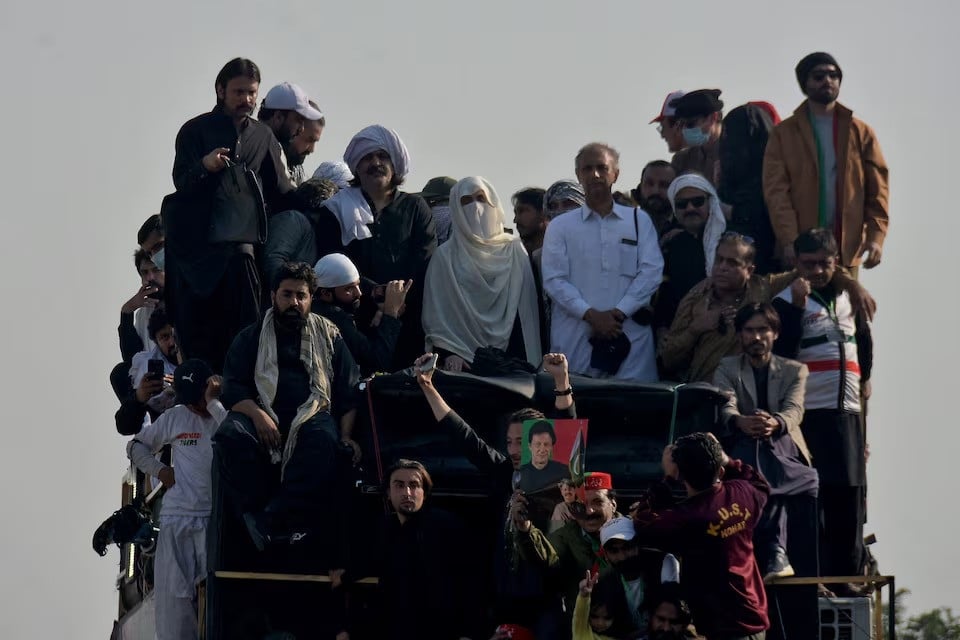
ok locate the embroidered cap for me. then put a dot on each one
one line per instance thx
(516, 632)
(595, 480)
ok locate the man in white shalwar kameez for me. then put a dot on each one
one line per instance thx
(601, 265)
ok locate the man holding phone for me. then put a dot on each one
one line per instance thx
(338, 299)
(158, 363)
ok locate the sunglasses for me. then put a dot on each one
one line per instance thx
(818, 76)
(697, 201)
(733, 235)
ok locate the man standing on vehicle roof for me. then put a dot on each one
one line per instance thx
(214, 287)
(296, 122)
(601, 265)
(822, 329)
(824, 168)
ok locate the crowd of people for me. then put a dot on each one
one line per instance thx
(266, 297)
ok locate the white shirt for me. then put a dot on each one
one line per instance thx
(589, 261)
(191, 455)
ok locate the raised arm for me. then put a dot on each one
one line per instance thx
(473, 447)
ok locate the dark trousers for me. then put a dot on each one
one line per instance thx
(841, 530)
(207, 325)
(253, 484)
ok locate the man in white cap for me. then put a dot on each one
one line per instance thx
(302, 145)
(337, 299)
(389, 234)
(634, 566)
(667, 125)
(287, 111)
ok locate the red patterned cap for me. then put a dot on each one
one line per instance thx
(597, 480)
(516, 632)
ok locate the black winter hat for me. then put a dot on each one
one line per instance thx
(805, 66)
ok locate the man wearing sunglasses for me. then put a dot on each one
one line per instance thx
(823, 168)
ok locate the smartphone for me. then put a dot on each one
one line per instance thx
(155, 369)
(379, 293)
(430, 364)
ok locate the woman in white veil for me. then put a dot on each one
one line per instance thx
(479, 288)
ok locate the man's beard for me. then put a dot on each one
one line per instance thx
(656, 205)
(289, 320)
(293, 158)
(823, 96)
(348, 307)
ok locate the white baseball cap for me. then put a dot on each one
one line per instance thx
(617, 529)
(666, 111)
(287, 96)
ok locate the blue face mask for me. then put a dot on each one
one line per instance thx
(158, 259)
(695, 137)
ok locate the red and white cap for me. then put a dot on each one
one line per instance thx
(666, 111)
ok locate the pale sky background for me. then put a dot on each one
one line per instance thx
(96, 92)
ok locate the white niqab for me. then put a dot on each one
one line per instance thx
(716, 222)
(480, 281)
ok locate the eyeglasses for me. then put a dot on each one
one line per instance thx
(665, 124)
(733, 235)
(697, 201)
(818, 76)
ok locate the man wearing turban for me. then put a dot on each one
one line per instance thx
(388, 234)
(823, 168)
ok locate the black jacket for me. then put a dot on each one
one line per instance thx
(186, 213)
(403, 240)
(373, 350)
(427, 578)
(241, 361)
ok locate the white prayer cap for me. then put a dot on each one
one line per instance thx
(335, 270)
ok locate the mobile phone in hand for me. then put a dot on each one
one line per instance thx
(155, 369)
(380, 293)
(430, 364)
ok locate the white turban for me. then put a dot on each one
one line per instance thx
(335, 270)
(336, 172)
(375, 138)
(716, 223)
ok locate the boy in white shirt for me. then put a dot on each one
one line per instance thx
(185, 513)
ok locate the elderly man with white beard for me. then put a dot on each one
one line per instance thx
(480, 290)
(601, 265)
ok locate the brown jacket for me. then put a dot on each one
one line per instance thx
(791, 183)
(693, 357)
(786, 386)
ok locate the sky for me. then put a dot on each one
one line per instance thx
(96, 92)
